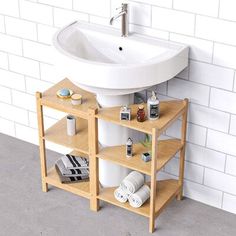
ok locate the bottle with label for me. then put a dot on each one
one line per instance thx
(153, 107)
(129, 148)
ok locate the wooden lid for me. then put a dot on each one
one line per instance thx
(76, 96)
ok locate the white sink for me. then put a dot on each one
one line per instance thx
(99, 60)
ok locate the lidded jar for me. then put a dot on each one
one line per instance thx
(141, 113)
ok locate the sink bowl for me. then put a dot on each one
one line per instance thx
(97, 59)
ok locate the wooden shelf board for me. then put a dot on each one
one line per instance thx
(169, 112)
(50, 99)
(80, 188)
(79, 142)
(166, 150)
(166, 191)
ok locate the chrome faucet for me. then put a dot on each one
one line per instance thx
(124, 19)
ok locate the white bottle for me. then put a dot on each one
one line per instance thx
(153, 107)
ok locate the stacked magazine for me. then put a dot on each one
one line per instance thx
(72, 168)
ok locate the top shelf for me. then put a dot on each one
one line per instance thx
(50, 99)
(169, 112)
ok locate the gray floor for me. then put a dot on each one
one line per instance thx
(26, 210)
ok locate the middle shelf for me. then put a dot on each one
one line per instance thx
(166, 150)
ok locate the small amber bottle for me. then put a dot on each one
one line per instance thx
(140, 114)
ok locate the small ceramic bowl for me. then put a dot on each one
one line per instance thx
(64, 93)
(76, 99)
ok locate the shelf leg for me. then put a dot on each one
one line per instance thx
(41, 142)
(153, 185)
(93, 160)
(182, 151)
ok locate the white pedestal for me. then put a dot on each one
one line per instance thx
(110, 135)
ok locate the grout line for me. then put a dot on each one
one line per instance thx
(226, 158)
(222, 199)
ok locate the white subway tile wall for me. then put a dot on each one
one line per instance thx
(207, 26)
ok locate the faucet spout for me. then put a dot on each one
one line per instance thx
(116, 16)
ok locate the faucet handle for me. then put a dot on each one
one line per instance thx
(124, 7)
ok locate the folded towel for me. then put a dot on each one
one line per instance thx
(71, 173)
(141, 196)
(121, 195)
(65, 179)
(132, 182)
(74, 162)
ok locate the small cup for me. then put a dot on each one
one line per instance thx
(76, 99)
(71, 125)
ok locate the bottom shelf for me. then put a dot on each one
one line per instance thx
(166, 191)
(80, 188)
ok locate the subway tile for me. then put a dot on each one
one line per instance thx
(38, 51)
(160, 3)
(27, 134)
(227, 9)
(10, 112)
(205, 157)
(223, 100)
(229, 203)
(221, 142)
(211, 75)
(12, 80)
(196, 93)
(203, 7)
(203, 194)
(24, 66)
(46, 33)
(36, 85)
(10, 44)
(36, 12)
(21, 28)
(195, 134)
(49, 73)
(200, 49)
(206, 28)
(3, 60)
(23, 100)
(33, 122)
(208, 117)
(99, 8)
(220, 181)
(52, 113)
(9, 7)
(63, 17)
(233, 125)
(7, 127)
(2, 24)
(174, 21)
(235, 82)
(148, 31)
(191, 171)
(58, 3)
(231, 165)
(5, 94)
(184, 74)
(101, 20)
(224, 55)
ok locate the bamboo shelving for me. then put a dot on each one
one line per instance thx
(85, 143)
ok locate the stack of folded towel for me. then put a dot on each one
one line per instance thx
(72, 168)
(133, 189)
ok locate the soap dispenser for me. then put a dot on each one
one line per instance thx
(153, 107)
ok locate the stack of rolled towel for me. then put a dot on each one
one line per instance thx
(133, 189)
(72, 168)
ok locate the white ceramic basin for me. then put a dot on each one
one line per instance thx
(99, 60)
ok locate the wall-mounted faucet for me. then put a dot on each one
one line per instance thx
(124, 19)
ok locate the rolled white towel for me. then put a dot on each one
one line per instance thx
(141, 196)
(132, 182)
(121, 195)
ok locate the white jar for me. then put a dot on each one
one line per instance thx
(76, 99)
(71, 125)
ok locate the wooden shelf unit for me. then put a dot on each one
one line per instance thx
(57, 133)
(85, 142)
